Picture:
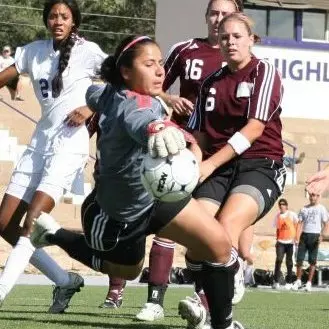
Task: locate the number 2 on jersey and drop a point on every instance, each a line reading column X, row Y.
column 193, row 69
column 44, row 87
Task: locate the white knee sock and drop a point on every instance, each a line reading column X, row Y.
column 16, row 263
column 45, row 264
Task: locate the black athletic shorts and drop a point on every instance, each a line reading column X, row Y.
column 263, row 179
column 308, row 242
column 12, row 84
column 124, row 242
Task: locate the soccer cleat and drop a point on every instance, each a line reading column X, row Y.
column 297, row 284
column 63, row 295
column 237, row 325
column 42, row 226
column 276, row 285
column 308, row 286
column 192, row 310
column 150, row 312
column 111, row 303
column 288, row 286
column 239, row 287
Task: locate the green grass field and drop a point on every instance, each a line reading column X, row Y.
column 26, row 307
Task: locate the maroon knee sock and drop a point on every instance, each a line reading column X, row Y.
column 116, row 287
column 160, row 261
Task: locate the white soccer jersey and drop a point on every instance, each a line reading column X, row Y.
column 40, row 61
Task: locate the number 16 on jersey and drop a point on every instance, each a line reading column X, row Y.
column 193, row 69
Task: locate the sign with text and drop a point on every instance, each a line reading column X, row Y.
column 305, row 75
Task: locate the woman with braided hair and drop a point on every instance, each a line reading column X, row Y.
column 61, row 70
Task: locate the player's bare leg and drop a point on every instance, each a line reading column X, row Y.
column 12, row 210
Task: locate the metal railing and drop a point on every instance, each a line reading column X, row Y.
column 28, row 117
column 320, row 161
column 292, row 146
column 293, row 165
column 18, row 111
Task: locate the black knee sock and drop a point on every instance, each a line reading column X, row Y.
column 75, row 245
column 218, row 285
column 195, row 268
column 156, row 293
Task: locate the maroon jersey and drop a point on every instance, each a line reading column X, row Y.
column 228, row 99
column 192, row 61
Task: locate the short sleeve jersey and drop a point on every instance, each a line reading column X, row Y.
column 313, row 217
column 40, row 61
column 227, row 100
column 191, row 61
column 124, row 116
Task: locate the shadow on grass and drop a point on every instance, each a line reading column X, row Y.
column 76, row 305
column 110, row 314
column 97, row 314
column 98, row 325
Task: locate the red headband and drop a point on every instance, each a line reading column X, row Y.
column 129, row 45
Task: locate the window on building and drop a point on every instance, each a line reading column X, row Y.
column 259, row 16
column 281, row 24
column 314, row 26
column 295, row 26
column 273, row 23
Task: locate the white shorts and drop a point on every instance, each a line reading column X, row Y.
column 50, row 173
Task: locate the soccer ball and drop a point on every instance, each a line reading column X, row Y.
column 172, row 178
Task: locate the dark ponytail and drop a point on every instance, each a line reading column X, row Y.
column 65, row 54
column 109, row 72
column 124, row 55
column 66, row 45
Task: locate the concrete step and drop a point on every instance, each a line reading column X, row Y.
column 68, row 215
column 6, row 169
column 309, row 126
column 296, row 198
column 15, row 122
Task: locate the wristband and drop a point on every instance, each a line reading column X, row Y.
column 239, row 143
column 156, row 126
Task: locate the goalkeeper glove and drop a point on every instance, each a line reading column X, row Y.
column 165, row 138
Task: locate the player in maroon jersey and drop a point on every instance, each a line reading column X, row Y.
column 191, row 62
column 242, row 174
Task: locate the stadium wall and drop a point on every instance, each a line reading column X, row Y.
column 305, row 72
